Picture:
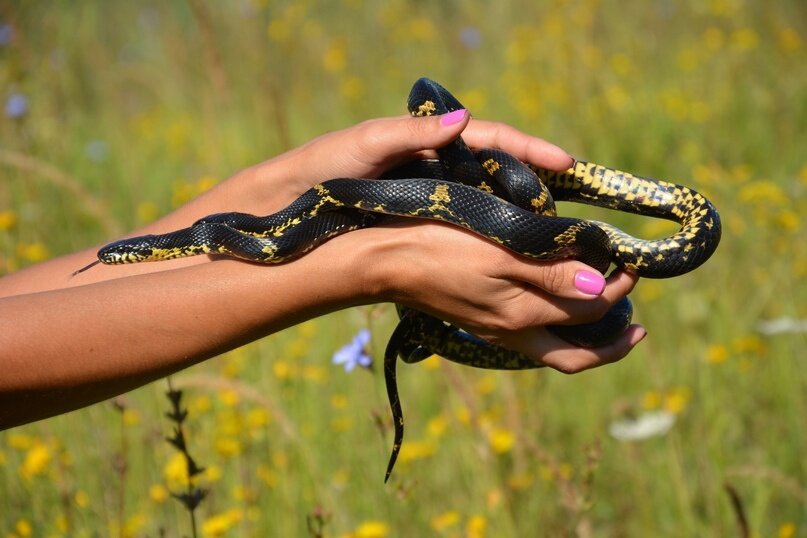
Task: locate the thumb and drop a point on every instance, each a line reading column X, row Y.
column 565, row 278
column 387, row 142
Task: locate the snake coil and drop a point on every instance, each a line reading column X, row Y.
column 486, row 191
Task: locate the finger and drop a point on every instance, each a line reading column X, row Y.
column 491, row 134
column 569, row 359
column 563, row 278
column 382, row 143
column 535, row 307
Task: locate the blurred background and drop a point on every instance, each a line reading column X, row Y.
column 115, row 113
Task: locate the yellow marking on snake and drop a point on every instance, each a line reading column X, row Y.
column 485, row 187
column 491, row 166
column 426, row 109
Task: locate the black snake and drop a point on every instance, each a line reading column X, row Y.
column 488, row 192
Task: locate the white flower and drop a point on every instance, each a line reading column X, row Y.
column 782, row 325
column 642, row 427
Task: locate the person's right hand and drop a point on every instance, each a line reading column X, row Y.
column 491, row 292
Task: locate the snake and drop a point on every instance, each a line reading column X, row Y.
column 486, row 191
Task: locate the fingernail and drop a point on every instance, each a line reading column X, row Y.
column 453, row 117
column 589, row 283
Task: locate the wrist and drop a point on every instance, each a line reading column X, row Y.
column 384, row 271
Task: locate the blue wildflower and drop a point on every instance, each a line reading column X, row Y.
column 470, row 37
column 16, row 105
column 355, row 353
column 6, row 34
column 96, row 150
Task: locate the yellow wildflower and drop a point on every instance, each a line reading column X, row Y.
column 339, row 401
column 8, row 219
column 341, row 424
column 651, row 400
column 786, row 530
column 415, row 450
column 220, row 524
column 158, row 493
column 32, row 252
column 334, row 59
column 437, row 426
column 20, row 441
column 62, row 523
column 282, row 369
column 228, row 397
column 675, row 401
column 476, row 527
column 134, row 524
column 257, row 417
column 745, row 39
column 788, row 220
column 36, row 460
column 445, row 520
column 750, row 344
column 433, row 361
column 789, row 39
column 763, row 191
column 463, row 415
column 23, row 527
column 176, row 471
column 501, row 440
column 228, row 446
column 372, row 529
column 212, row 473
column 200, row 404
column 717, row 353
column 81, row 498
column 131, row 417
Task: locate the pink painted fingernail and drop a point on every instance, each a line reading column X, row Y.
column 453, row 117
column 589, row 283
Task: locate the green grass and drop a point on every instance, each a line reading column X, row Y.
column 711, row 94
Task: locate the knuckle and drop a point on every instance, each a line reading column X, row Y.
column 554, row 277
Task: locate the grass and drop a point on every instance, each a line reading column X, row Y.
column 134, row 108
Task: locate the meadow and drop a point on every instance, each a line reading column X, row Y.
column 116, row 112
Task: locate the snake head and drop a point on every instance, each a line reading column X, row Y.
column 133, row 250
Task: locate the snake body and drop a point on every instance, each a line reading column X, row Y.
column 487, row 192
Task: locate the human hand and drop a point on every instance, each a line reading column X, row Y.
column 374, row 146
column 474, row 284
column 492, row 292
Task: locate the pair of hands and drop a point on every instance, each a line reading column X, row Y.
column 114, row 328
column 449, row 272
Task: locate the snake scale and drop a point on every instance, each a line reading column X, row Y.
column 485, row 191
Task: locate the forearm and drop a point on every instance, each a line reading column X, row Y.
column 65, row 349
column 261, row 189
